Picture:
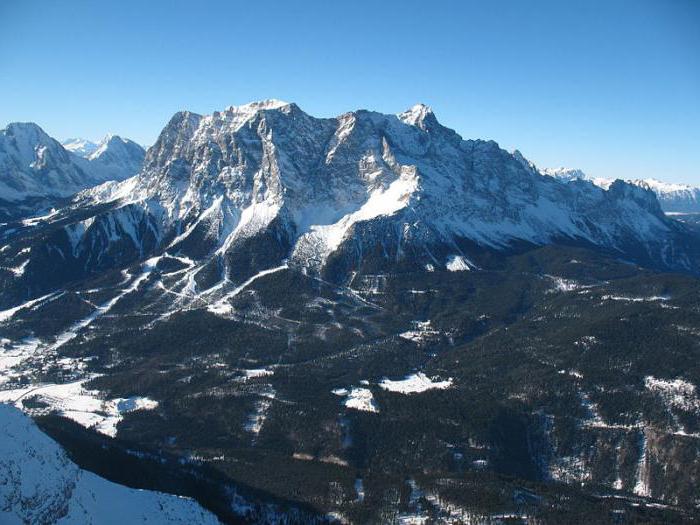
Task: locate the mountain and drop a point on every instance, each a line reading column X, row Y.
column 565, row 174
column 116, row 158
column 673, row 198
column 263, row 185
column 33, row 164
column 366, row 319
column 678, row 198
column 40, row 484
column 37, row 172
column 81, row 147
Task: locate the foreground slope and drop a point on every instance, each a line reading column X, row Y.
column 39, row 484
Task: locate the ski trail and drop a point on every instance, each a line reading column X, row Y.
column 73, row 331
column 222, row 306
column 5, row 315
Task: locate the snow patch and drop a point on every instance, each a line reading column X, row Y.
column 458, row 263
column 358, row 399
column 675, row 393
column 414, row 384
column 75, row 402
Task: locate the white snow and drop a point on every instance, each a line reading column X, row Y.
column 414, row 384
column 676, row 393
column 74, row 401
column 358, row 398
column 641, row 486
column 629, row 299
column 421, row 333
column 565, row 285
column 359, row 490
column 458, row 263
column 661, row 187
column 257, row 418
column 5, row 315
column 33, row 221
column 223, row 307
column 257, row 372
column 415, row 115
column 323, row 239
column 82, row 147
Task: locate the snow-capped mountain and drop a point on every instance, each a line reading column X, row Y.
column 36, row 170
column 81, row 147
column 116, row 158
column 265, row 185
column 679, row 198
column 40, row 484
column 328, row 192
column 565, row 174
column 32, row 164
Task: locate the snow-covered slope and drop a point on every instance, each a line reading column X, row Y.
column 681, row 198
column 81, row 147
column 39, row 484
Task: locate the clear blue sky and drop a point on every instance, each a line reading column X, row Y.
column 612, row 87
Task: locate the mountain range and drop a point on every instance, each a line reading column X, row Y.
column 673, row 198
column 362, row 319
column 38, row 172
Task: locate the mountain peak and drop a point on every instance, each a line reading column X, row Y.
column 418, row 115
column 25, row 132
column 565, row 174
column 258, row 105
column 79, row 146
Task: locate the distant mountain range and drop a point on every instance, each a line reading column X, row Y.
column 81, row 147
column 673, row 198
column 37, row 172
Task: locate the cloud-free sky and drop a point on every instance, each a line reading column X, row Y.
column 610, row 86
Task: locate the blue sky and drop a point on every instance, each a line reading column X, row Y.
column 612, row 87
